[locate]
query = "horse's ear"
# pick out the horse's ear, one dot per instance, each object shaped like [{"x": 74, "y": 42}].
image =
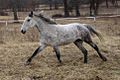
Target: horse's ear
[{"x": 31, "y": 14}]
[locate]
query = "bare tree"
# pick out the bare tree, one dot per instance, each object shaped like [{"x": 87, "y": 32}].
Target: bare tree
[
  {"x": 13, "y": 4},
  {"x": 55, "y": 4},
  {"x": 66, "y": 12},
  {"x": 77, "y": 7},
  {"x": 50, "y": 4}
]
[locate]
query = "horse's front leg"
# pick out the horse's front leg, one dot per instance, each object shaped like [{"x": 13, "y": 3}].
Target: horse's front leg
[
  {"x": 57, "y": 51},
  {"x": 39, "y": 49}
]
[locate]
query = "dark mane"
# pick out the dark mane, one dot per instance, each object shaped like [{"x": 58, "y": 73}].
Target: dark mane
[{"x": 48, "y": 20}]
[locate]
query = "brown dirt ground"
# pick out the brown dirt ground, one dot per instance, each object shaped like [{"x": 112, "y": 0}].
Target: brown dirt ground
[{"x": 15, "y": 48}]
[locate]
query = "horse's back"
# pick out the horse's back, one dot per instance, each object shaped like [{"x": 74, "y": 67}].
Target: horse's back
[
  {"x": 79, "y": 30},
  {"x": 77, "y": 26}
]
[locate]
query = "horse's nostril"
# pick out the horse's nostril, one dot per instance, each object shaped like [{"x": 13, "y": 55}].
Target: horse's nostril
[{"x": 23, "y": 31}]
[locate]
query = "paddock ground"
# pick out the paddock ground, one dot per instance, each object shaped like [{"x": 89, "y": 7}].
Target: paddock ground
[{"x": 15, "y": 48}]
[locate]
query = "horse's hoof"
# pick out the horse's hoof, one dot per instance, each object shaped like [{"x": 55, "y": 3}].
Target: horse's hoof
[
  {"x": 60, "y": 61},
  {"x": 27, "y": 63},
  {"x": 60, "y": 64},
  {"x": 104, "y": 59}
]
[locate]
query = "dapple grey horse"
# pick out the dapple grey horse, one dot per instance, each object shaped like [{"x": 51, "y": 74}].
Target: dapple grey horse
[{"x": 55, "y": 35}]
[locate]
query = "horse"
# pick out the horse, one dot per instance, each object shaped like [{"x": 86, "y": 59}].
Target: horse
[{"x": 56, "y": 35}]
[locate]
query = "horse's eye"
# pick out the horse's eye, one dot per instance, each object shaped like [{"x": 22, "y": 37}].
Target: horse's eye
[{"x": 28, "y": 20}]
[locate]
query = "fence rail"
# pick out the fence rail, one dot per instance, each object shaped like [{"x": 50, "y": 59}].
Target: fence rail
[
  {"x": 94, "y": 18},
  {"x": 10, "y": 21}
]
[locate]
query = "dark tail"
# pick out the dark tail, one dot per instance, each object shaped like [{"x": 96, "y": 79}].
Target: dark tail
[{"x": 93, "y": 31}]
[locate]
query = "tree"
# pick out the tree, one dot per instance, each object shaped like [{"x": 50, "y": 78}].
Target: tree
[
  {"x": 55, "y": 4},
  {"x": 66, "y": 13},
  {"x": 77, "y": 7},
  {"x": 50, "y": 4},
  {"x": 13, "y": 4},
  {"x": 74, "y": 4}
]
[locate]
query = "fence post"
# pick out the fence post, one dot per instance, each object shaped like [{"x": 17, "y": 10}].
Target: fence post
[
  {"x": 6, "y": 23},
  {"x": 94, "y": 18}
]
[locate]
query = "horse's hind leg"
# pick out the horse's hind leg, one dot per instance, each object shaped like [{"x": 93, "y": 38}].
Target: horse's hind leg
[
  {"x": 57, "y": 51},
  {"x": 89, "y": 41},
  {"x": 78, "y": 43},
  {"x": 98, "y": 51}
]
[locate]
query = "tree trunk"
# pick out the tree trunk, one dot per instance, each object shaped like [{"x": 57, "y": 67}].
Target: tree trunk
[
  {"x": 77, "y": 8},
  {"x": 50, "y": 4},
  {"x": 56, "y": 4},
  {"x": 14, "y": 8},
  {"x": 15, "y": 14},
  {"x": 107, "y": 4},
  {"x": 66, "y": 13}
]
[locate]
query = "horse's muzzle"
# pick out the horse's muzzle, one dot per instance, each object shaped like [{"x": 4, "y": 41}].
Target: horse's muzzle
[{"x": 22, "y": 31}]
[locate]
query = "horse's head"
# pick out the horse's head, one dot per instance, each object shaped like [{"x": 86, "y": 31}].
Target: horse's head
[
  {"x": 35, "y": 20},
  {"x": 28, "y": 22}
]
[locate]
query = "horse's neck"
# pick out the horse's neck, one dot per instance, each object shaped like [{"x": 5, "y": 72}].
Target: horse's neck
[{"x": 42, "y": 26}]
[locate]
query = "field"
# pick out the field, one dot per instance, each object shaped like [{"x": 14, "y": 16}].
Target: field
[{"x": 15, "y": 48}]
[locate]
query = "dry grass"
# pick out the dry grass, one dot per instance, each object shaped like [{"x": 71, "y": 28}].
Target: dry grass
[
  {"x": 5, "y": 17},
  {"x": 15, "y": 48}
]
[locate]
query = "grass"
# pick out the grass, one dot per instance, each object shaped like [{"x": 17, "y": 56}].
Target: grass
[
  {"x": 5, "y": 17},
  {"x": 15, "y": 48}
]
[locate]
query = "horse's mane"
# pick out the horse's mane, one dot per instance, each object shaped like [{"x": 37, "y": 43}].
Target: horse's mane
[{"x": 46, "y": 19}]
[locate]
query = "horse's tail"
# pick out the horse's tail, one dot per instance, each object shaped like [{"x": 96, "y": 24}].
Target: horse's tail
[{"x": 93, "y": 31}]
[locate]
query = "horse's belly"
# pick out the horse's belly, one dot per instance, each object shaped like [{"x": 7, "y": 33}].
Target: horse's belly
[
  {"x": 66, "y": 40},
  {"x": 59, "y": 41}
]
